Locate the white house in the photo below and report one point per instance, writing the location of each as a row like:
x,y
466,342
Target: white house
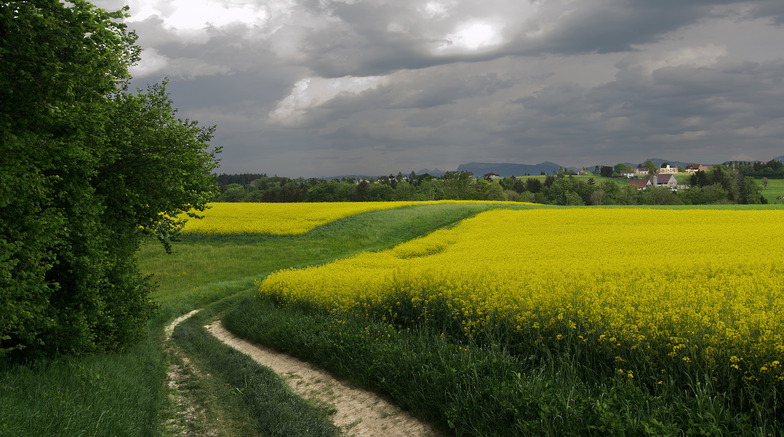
x,y
667,170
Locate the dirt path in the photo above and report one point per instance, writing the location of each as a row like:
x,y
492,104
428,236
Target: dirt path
x,y
357,412
169,329
188,418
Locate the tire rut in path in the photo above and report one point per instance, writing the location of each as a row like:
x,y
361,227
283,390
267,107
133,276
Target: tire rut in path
x,y
357,412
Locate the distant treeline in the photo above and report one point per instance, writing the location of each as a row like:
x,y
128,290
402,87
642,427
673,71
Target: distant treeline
x,y
721,185
773,169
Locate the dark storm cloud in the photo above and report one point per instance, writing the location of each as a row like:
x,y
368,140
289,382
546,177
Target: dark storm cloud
x,y
361,42
772,9
328,87
611,26
683,110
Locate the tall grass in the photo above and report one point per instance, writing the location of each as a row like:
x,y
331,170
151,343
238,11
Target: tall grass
x,y
98,395
468,388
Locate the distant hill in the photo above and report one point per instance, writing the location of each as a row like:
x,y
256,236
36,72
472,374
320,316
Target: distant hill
x,y
659,162
502,169
434,172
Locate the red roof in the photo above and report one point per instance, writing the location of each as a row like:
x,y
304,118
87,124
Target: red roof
x,y
639,183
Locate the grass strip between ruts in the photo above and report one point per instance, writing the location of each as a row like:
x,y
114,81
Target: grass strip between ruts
x,y
266,397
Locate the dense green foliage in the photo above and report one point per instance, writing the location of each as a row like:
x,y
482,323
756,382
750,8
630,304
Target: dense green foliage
x,y
87,169
773,169
724,184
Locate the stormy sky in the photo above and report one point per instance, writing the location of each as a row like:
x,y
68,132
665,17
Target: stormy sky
x,y
333,87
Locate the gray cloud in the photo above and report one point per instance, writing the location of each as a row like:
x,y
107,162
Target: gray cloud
x,y
328,87
771,9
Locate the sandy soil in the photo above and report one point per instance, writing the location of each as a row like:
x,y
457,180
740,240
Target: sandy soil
x,y
357,412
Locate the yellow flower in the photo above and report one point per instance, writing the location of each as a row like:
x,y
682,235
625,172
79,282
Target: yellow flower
x,y
522,271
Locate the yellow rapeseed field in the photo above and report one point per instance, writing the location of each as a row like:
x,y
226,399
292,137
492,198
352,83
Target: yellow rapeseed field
x,y
282,218
653,291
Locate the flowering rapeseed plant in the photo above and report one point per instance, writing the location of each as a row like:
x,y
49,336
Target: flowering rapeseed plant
x,y
661,291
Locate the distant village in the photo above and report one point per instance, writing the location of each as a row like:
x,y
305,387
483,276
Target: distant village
x,y
640,177
662,177
648,184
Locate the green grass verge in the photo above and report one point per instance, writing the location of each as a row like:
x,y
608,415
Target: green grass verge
x,y
483,390
99,395
124,394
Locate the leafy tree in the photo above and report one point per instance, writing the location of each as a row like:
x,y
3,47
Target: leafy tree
x,y
748,190
560,192
360,192
704,195
533,185
233,193
606,171
405,191
738,188
572,198
519,186
597,197
610,190
459,185
622,167
489,191
659,196
430,189
330,191
87,170
380,192
650,166
699,179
